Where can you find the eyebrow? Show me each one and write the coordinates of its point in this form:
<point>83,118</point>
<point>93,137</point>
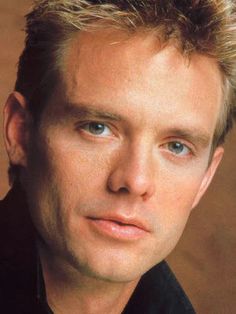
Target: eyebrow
<point>86,111</point>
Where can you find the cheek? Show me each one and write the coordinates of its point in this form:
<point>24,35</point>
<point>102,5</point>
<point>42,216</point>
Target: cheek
<point>180,184</point>
<point>175,197</point>
<point>79,174</point>
<point>172,211</point>
<point>80,169</point>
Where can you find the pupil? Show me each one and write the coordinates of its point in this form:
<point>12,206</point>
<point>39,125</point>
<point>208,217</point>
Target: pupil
<point>96,128</point>
<point>176,147</point>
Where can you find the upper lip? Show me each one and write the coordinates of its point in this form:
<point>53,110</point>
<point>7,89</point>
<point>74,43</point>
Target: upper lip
<point>132,221</point>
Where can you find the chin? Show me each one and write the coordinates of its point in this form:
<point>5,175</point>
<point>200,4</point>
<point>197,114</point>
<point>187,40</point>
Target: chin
<point>115,275</point>
<point>117,267</point>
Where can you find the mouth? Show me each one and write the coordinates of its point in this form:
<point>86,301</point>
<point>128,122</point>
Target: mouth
<point>118,227</point>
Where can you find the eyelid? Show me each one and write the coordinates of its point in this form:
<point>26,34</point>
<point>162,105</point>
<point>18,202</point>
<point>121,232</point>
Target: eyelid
<point>187,143</point>
<point>81,124</point>
<point>190,147</point>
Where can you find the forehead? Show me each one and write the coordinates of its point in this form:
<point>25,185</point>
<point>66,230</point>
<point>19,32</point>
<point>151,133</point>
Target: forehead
<point>111,67</point>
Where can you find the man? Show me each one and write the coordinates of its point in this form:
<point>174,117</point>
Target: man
<point>114,132</point>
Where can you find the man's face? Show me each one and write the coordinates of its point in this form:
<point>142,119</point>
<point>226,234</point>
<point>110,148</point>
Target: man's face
<point>121,155</point>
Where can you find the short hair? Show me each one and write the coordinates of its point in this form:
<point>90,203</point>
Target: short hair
<point>203,26</point>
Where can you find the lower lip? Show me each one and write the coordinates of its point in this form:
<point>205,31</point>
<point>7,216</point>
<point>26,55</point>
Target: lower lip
<point>112,229</point>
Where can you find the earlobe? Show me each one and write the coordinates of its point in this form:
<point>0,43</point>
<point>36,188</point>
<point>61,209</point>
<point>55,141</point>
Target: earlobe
<point>16,128</point>
<point>209,174</point>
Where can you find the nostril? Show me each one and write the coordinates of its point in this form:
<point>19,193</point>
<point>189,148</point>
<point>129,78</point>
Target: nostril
<point>123,190</point>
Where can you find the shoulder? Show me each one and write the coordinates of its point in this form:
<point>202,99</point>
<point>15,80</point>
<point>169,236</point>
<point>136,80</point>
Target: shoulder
<point>15,222</point>
<point>174,296</point>
<point>17,253</point>
<point>16,228</point>
<point>159,292</point>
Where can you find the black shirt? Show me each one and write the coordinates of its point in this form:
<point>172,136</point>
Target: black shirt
<point>22,288</point>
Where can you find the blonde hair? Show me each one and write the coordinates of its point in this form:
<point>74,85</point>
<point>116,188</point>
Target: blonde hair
<point>202,26</point>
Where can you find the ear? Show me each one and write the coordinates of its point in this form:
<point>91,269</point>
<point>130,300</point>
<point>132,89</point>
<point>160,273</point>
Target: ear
<point>209,174</point>
<point>16,128</point>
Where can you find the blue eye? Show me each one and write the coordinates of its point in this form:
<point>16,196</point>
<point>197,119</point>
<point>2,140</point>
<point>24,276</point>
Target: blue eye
<point>97,128</point>
<point>178,148</point>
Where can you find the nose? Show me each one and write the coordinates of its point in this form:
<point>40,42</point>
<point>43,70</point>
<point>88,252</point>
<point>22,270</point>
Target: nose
<point>133,173</point>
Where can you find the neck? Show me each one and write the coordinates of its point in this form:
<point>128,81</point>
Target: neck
<point>70,292</point>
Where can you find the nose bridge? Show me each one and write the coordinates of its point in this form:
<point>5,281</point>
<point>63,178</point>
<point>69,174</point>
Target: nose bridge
<point>134,171</point>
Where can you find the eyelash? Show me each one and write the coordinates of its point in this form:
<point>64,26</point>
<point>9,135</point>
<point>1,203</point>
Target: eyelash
<point>86,126</point>
<point>183,145</point>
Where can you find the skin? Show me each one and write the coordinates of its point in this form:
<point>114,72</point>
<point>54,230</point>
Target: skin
<point>128,134</point>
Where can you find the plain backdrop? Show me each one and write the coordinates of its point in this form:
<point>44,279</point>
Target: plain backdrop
<point>205,259</point>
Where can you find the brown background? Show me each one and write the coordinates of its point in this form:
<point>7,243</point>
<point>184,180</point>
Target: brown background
<point>205,259</point>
